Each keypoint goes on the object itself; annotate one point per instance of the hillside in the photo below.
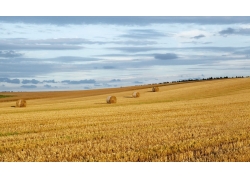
(198, 121)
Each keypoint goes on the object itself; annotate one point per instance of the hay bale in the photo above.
(155, 89)
(136, 94)
(21, 103)
(111, 99)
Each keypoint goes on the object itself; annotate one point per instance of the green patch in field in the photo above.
(8, 134)
(5, 96)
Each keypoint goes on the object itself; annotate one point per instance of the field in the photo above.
(199, 121)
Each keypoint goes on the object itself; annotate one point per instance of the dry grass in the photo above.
(201, 121)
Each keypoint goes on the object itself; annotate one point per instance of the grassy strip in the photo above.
(5, 96)
(8, 134)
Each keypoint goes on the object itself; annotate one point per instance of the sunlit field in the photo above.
(198, 121)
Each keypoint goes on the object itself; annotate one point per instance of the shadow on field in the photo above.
(100, 103)
(13, 106)
(128, 96)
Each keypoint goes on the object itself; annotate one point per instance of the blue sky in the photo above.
(87, 52)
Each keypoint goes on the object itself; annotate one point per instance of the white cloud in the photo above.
(191, 33)
(120, 50)
(234, 63)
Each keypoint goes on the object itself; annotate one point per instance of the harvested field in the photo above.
(199, 121)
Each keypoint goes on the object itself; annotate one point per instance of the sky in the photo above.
(67, 45)
(54, 53)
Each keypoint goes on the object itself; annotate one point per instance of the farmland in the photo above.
(199, 121)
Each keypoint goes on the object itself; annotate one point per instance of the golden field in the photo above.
(198, 121)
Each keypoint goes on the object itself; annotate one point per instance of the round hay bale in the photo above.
(111, 99)
(21, 103)
(155, 89)
(136, 94)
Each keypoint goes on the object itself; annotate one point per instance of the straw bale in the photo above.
(21, 103)
(155, 89)
(136, 94)
(111, 99)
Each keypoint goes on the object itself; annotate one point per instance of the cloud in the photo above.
(8, 45)
(86, 81)
(33, 67)
(245, 51)
(107, 85)
(115, 80)
(227, 31)
(10, 54)
(47, 44)
(4, 46)
(199, 36)
(49, 86)
(143, 34)
(232, 31)
(133, 42)
(71, 41)
(206, 48)
(71, 59)
(136, 49)
(206, 43)
(68, 41)
(97, 85)
(26, 67)
(114, 55)
(166, 56)
(108, 67)
(137, 82)
(33, 81)
(125, 20)
(192, 34)
(216, 48)
(196, 42)
(13, 81)
(49, 81)
(28, 86)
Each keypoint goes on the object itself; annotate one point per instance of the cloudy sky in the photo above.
(41, 53)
